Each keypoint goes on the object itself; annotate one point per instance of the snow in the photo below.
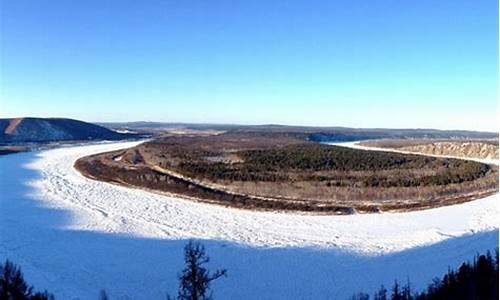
(124, 131)
(75, 236)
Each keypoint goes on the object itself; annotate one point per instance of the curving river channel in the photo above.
(75, 236)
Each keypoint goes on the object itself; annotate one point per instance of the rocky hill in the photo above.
(41, 130)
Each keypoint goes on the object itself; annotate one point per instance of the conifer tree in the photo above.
(381, 294)
(195, 279)
(14, 287)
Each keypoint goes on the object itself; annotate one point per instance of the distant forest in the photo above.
(275, 165)
(476, 280)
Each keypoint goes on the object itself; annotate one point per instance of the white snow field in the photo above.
(74, 236)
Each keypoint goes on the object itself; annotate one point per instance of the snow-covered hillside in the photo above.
(75, 236)
(44, 130)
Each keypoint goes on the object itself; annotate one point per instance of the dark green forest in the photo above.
(302, 160)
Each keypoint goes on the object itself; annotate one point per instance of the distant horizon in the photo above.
(386, 64)
(254, 124)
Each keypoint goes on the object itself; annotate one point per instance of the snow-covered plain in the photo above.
(75, 236)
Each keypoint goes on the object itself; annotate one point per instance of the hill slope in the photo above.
(25, 130)
(315, 133)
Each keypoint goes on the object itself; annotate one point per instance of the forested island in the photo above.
(287, 171)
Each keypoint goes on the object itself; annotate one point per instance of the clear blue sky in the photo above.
(384, 63)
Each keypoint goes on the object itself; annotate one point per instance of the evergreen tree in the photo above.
(473, 280)
(195, 279)
(406, 293)
(396, 293)
(381, 294)
(12, 284)
(14, 287)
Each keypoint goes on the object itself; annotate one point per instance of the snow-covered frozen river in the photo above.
(75, 236)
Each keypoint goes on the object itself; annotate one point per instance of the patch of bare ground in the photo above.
(484, 149)
(282, 171)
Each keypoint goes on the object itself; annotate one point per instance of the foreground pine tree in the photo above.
(195, 279)
(14, 287)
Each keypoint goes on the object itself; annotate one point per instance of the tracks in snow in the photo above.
(105, 207)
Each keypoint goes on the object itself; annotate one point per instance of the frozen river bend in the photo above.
(75, 236)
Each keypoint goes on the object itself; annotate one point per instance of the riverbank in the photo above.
(75, 236)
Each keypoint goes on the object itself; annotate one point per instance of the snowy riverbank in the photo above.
(75, 236)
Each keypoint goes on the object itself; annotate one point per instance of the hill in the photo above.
(41, 130)
(313, 133)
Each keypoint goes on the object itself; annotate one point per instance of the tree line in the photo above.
(476, 280)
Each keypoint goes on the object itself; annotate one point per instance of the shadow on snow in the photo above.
(76, 264)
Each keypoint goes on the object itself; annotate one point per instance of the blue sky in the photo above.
(385, 63)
